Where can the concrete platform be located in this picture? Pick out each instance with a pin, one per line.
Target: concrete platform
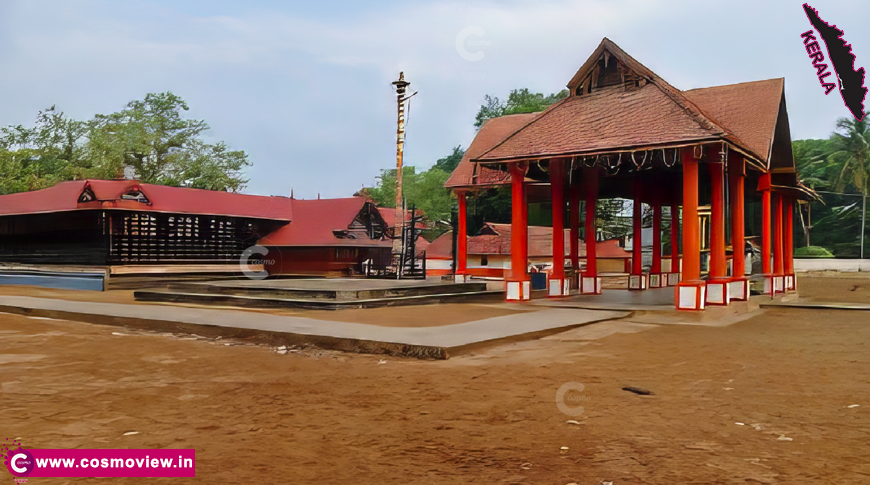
(320, 293)
(421, 342)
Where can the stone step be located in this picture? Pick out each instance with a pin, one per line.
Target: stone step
(251, 301)
(266, 291)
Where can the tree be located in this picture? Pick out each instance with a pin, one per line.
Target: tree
(52, 151)
(150, 136)
(851, 151)
(519, 101)
(162, 147)
(450, 162)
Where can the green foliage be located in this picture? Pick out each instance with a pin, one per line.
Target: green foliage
(150, 136)
(519, 101)
(450, 162)
(812, 252)
(839, 164)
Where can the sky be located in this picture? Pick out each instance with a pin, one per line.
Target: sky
(304, 87)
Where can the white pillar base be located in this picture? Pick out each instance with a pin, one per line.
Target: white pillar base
(739, 290)
(658, 280)
(461, 278)
(691, 296)
(790, 283)
(718, 293)
(590, 285)
(558, 287)
(673, 279)
(518, 290)
(638, 281)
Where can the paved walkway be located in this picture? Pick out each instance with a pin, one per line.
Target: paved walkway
(169, 318)
(653, 299)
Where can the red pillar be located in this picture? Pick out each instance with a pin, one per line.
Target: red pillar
(574, 215)
(518, 284)
(462, 237)
(737, 178)
(778, 267)
(788, 249)
(637, 280)
(556, 285)
(764, 187)
(589, 282)
(717, 283)
(674, 277)
(690, 294)
(655, 278)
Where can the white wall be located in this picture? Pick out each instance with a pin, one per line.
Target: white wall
(830, 264)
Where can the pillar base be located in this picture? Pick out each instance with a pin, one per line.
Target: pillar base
(558, 287)
(518, 290)
(590, 285)
(774, 284)
(638, 281)
(461, 278)
(738, 289)
(718, 292)
(673, 279)
(790, 282)
(690, 295)
(657, 280)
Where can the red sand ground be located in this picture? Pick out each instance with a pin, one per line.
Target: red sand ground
(254, 416)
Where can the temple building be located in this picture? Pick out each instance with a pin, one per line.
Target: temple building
(623, 132)
(126, 229)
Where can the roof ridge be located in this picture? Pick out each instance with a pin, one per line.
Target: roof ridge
(780, 79)
(703, 119)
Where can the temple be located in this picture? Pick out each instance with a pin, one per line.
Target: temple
(623, 132)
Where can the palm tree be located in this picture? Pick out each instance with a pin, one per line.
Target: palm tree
(851, 148)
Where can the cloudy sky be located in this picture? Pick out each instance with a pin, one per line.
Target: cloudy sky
(304, 87)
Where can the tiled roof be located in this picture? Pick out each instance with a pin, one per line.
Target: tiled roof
(749, 110)
(178, 200)
(314, 223)
(490, 134)
(654, 113)
(606, 119)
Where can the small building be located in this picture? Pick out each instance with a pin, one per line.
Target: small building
(328, 237)
(489, 252)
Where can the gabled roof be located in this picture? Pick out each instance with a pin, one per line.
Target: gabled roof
(642, 112)
(750, 110)
(493, 132)
(111, 194)
(316, 222)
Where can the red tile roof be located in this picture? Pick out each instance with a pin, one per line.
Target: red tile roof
(496, 239)
(653, 114)
(748, 109)
(493, 132)
(441, 247)
(314, 223)
(603, 120)
(179, 200)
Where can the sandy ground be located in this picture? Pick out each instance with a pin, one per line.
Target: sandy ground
(255, 416)
(835, 287)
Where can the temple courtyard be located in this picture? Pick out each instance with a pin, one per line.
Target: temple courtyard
(775, 395)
